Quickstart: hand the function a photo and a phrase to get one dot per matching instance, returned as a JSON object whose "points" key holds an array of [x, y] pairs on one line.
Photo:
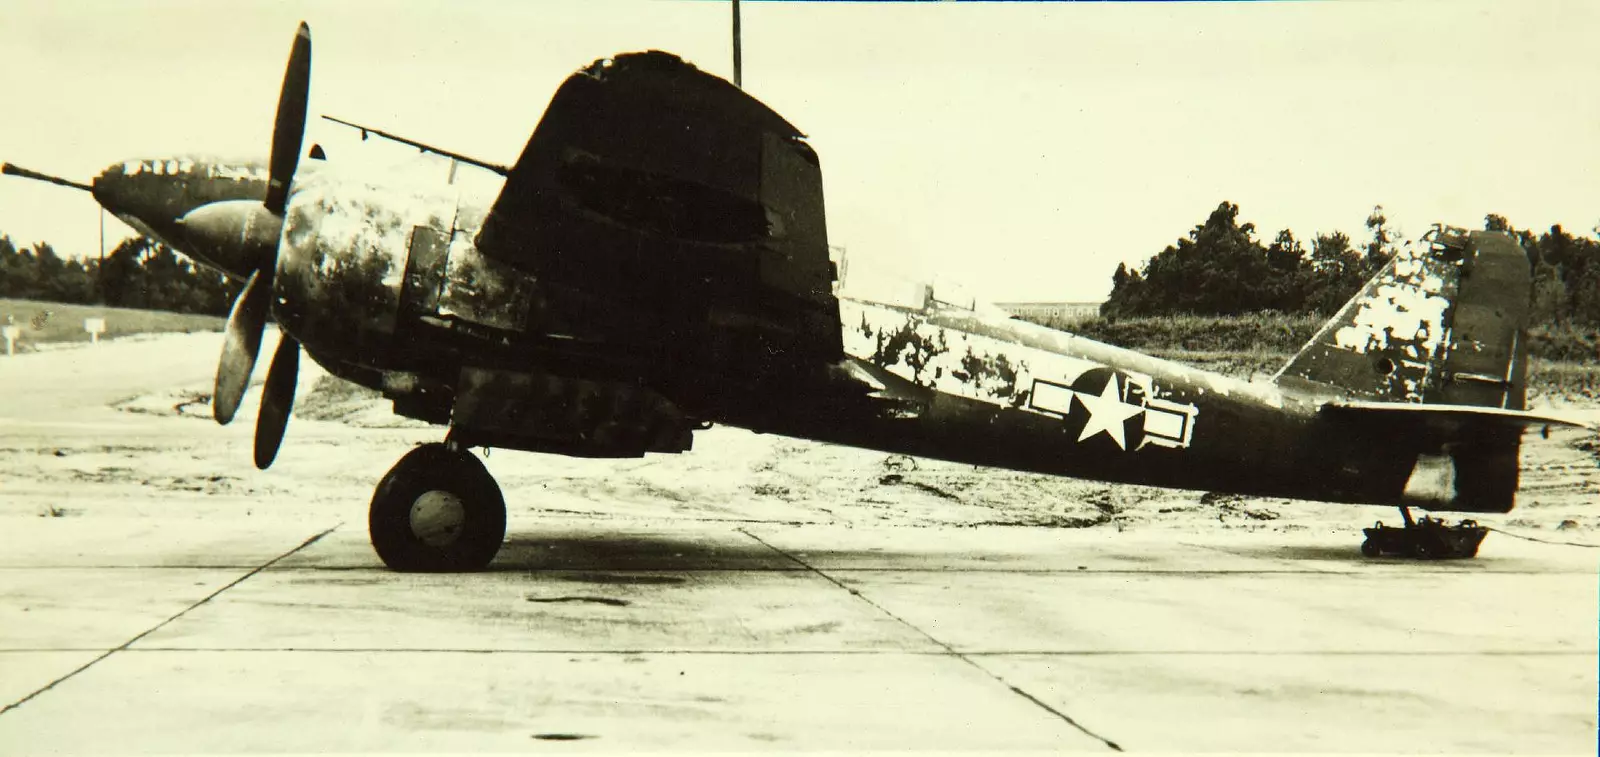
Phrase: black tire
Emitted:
{"points": [[1370, 548], [437, 511]]}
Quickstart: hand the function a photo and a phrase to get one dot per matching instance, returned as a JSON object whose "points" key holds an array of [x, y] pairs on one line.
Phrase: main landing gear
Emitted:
{"points": [[1427, 539], [437, 510]]}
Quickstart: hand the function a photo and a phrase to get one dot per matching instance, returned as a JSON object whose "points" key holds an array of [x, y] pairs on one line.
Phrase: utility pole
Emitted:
{"points": [[738, 62], [100, 273]]}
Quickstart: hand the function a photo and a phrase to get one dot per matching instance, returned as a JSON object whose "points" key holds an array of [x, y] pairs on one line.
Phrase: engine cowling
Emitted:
{"points": [[341, 277]]}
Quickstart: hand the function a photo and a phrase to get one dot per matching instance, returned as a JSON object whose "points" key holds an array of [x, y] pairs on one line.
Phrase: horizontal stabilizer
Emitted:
{"points": [[1448, 418]]}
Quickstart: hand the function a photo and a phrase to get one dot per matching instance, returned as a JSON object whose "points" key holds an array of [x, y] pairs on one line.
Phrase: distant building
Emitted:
{"points": [[1061, 312]]}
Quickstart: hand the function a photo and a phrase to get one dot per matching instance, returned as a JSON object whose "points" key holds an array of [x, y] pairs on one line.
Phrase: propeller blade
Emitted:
{"points": [[289, 130], [240, 347], [277, 399], [11, 169]]}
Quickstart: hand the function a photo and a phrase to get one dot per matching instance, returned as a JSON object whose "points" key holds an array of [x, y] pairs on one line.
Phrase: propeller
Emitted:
{"points": [[249, 314], [240, 346], [277, 399]]}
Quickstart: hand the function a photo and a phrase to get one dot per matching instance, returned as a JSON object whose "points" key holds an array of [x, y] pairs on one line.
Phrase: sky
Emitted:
{"points": [[1017, 150]]}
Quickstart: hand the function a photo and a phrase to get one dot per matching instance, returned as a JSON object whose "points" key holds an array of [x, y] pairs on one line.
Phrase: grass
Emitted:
{"points": [[1577, 381], [1564, 342], [54, 322], [1272, 332], [1245, 364]]}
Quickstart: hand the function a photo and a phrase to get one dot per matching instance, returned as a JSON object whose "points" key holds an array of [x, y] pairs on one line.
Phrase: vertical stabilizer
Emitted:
{"points": [[1442, 323]]}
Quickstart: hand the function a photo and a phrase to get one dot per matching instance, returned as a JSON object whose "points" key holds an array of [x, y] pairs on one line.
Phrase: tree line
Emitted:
{"points": [[139, 273], [1221, 268]]}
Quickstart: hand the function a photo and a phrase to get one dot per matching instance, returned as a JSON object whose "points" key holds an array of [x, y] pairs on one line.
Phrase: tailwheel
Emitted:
{"points": [[437, 510], [1425, 539]]}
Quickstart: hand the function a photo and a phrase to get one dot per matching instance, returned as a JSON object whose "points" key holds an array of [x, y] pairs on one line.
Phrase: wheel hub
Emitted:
{"points": [[437, 518]]}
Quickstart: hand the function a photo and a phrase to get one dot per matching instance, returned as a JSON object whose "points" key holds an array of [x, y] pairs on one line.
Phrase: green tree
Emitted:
{"points": [[1380, 248], [140, 273], [19, 271], [1338, 272], [1218, 269], [1291, 268]]}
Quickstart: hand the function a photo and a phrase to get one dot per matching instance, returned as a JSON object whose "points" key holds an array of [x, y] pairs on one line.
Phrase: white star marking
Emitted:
{"points": [[1107, 412]]}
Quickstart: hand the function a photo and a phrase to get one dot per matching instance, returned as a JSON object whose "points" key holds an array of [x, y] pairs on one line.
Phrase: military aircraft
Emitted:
{"points": [[657, 260]]}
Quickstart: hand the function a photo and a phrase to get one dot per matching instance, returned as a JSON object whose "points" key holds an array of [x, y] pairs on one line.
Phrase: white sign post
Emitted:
{"points": [[95, 327], [11, 338]]}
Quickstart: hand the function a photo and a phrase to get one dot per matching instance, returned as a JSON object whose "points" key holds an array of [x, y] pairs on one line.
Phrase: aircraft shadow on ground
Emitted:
{"points": [[645, 553], [604, 558], [666, 553], [641, 553]]}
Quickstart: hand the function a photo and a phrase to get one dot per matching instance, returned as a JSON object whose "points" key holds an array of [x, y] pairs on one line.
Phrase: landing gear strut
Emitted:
{"points": [[1427, 539], [437, 510]]}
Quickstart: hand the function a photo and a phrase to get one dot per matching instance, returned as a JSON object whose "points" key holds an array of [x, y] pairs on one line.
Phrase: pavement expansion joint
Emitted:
{"points": [[831, 652], [130, 642], [563, 652], [948, 650]]}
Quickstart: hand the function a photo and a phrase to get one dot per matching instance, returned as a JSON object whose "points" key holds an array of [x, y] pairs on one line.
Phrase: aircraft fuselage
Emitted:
{"points": [[386, 287]]}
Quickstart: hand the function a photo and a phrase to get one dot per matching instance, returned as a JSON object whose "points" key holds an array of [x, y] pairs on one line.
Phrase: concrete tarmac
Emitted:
{"points": [[241, 620], [293, 639]]}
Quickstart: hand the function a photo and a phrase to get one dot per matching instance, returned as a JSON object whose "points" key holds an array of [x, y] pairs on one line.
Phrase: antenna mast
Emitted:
{"points": [[738, 63]]}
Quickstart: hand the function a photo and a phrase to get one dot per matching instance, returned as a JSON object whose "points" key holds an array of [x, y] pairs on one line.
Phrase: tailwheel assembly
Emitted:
{"points": [[1425, 539], [437, 510]]}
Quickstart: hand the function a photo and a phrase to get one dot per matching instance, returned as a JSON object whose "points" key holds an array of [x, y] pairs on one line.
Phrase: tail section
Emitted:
{"points": [[1441, 324], [1429, 365]]}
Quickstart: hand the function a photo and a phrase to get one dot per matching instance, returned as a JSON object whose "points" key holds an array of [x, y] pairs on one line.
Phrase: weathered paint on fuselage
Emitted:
{"points": [[972, 387], [342, 260], [382, 276], [385, 286]]}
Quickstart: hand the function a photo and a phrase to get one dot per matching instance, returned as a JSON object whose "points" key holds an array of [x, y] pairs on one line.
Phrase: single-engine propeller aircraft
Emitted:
{"points": [[657, 260]]}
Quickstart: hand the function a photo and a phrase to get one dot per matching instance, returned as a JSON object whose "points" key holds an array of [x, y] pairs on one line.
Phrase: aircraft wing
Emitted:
{"points": [[1449, 420]]}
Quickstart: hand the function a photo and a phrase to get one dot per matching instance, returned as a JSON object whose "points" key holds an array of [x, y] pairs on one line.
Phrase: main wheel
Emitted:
{"points": [[1370, 548], [437, 510]]}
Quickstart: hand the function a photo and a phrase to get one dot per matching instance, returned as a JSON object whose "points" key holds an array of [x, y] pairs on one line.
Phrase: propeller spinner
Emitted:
{"points": [[249, 313]]}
